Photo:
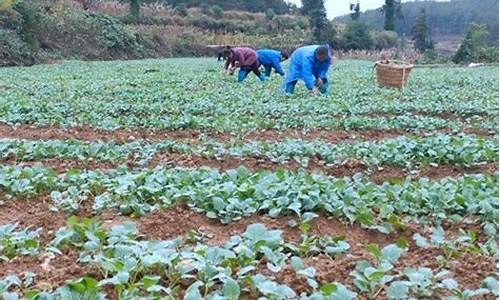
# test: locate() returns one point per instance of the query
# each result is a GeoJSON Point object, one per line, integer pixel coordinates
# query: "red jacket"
{"type": "Point", "coordinates": [245, 57]}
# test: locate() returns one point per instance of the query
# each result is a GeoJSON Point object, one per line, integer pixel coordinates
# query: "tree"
{"type": "Point", "coordinates": [355, 11]}
{"type": "Point", "coordinates": [391, 9]}
{"type": "Point", "coordinates": [135, 8]}
{"type": "Point", "coordinates": [309, 5]}
{"type": "Point", "coordinates": [420, 33]}
{"type": "Point", "coordinates": [445, 18]}
{"type": "Point", "coordinates": [315, 10]}
{"type": "Point", "coordinates": [475, 46]}
{"type": "Point", "coordinates": [31, 17]}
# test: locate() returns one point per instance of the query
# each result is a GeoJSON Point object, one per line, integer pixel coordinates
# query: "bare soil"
{"type": "Point", "coordinates": [348, 169]}
{"type": "Point", "coordinates": [87, 133]}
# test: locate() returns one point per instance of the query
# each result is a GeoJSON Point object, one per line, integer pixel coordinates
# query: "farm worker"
{"type": "Point", "coordinates": [271, 59]}
{"type": "Point", "coordinates": [309, 63]}
{"type": "Point", "coordinates": [246, 59]}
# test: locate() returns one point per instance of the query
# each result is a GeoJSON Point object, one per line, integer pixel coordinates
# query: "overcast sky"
{"type": "Point", "coordinates": [341, 7]}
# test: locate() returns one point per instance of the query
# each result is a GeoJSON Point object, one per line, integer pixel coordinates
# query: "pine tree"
{"type": "Point", "coordinates": [135, 8]}
{"type": "Point", "coordinates": [309, 5]}
{"type": "Point", "coordinates": [391, 9]}
{"type": "Point", "coordinates": [355, 11]}
{"type": "Point", "coordinates": [474, 46]}
{"type": "Point", "coordinates": [420, 33]}
{"type": "Point", "coordinates": [315, 10]}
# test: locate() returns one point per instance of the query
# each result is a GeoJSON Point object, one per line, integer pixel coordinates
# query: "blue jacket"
{"type": "Point", "coordinates": [270, 59]}
{"type": "Point", "coordinates": [303, 65]}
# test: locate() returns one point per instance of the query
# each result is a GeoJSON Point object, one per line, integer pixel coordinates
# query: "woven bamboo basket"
{"type": "Point", "coordinates": [392, 73]}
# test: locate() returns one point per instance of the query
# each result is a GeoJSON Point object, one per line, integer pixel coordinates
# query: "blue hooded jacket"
{"type": "Point", "coordinates": [303, 65]}
{"type": "Point", "coordinates": [270, 58]}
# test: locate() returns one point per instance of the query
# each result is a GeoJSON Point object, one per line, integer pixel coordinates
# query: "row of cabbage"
{"type": "Point", "coordinates": [135, 268]}
{"type": "Point", "coordinates": [234, 123]}
{"type": "Point", "coordinates": [129, 94]}
{"type": "Point", "coordinates": [407, 152]}
{"type": "Point", "coordinates": [233, 194]}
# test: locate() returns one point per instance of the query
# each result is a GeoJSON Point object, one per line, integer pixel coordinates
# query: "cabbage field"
{"type": "Point", "coordinates": [162, 179]}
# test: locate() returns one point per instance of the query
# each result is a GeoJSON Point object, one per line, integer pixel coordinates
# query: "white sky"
{"type": "Point", "coordinates": [341, 7]}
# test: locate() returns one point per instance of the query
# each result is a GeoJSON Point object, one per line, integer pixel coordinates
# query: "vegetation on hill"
{"type": "Point", "coordinates": [39, 31]}
{"type": "Point", "coordinates": [447, 17]}
{"type": "Point", "coordinates": [279, 6]}
{"type": "Point", "coordinates": [33, 32]}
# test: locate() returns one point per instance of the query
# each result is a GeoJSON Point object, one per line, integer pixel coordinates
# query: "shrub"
{"type": "Point", "coordinates": [205, 8]}
{"type": "Point", "coordinates": [5, 4]}
{"type": "Point", "coordinates": [9, 18]}
{"type": "Point", "coordinates": [181, 10]}
{"type": "Point", "coordinates": [488, 54]}
{"type": "Point", "coordinates": [384, 39]}
{"type": "Point", "coordinates": [112, 34]}
{"type": "Point", "coordinates": [217, 11]}
{"type": "Point", "coordinates": [270, 13]}
{"type": "Point", "coordinates": [430, 56]}
{"type": "Point", "coordinates": [356, 35]}
{"type": "Point", "coordinates": [13, 50]}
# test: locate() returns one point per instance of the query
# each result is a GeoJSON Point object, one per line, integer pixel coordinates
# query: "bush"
{"type": "Point", "coordinates": [488, 54]}
{"type": "Point", "coordinates": [111, 33]}
{"type": "Point", "coordinates": [13, 50]}
{"type": "Point", "coordinates": [205, 8]}
{"type": "Point", "coordinates": [217, 11]}
{"type": "Point", "coordinates": [181, 10]}
{"type": "Point", "coordinates": [356, 36]}
{"type": "Point", "coordinates": [270, 13]}
{"type": "Point", "coordinates": [9, 18]}
{"type": "Point", "coordinates": [384, 39]}
{"type": "Point", "coordinates": [430, 56]}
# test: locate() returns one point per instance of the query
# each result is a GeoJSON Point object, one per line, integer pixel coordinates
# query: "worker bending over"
{"type": "Point", "coordinates": [271, 59]}
{"type": "Point", "coordinates": [310, 64]}
{"type": "Point", "coordinates": [246, 59]}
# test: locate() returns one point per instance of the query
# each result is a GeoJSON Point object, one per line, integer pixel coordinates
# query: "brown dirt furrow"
{"type": "Point", "coordinates": [347, 169]}
{"type": "Point", "coordinates": [330, 136]}
{"type": "Point", "coordinates": [52, 271]}
{"type": "Point", "coordinates": [181, 220]}
{"type": "Point", "coordinates": [88, 133]}
{"type": "Point", "coordinates": [35, 213]}
{"type": "Point", "coordinates": [62, 165]}
{"type": "Point", "coordinates": [441, 115]}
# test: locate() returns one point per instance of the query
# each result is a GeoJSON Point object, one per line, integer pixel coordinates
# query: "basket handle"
{"type": "Point", "coordinates": [403, 79]}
